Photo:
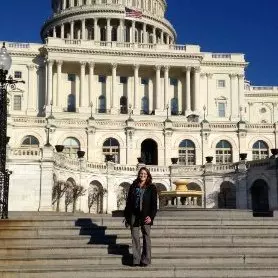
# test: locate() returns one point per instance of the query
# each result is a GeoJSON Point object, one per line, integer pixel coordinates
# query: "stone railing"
{"type": "Point", "coordinates": [224, 168]}
{"type": "Point", "coordinates": [125, 45]}
{"type": "Point", "coordinates": [24, 153]}
{"type": "Point", "coordinates": [257, 163]}
{"type": "Point", "coordinates": [29, 121]}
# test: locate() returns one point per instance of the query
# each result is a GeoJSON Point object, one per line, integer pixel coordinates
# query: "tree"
{"type": "Point", "coordinates": [95, 196]}
{"type": "Point", "coordinates": [59, 189]}
{"type": "Point", "coordinates": [77, 191]}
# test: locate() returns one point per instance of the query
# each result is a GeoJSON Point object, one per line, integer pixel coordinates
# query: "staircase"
{"type": "Point", "coordinates": [192, 243]}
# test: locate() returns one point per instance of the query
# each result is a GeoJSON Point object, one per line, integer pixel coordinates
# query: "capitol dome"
{"type": "Point", "coordinates": [134, 21]}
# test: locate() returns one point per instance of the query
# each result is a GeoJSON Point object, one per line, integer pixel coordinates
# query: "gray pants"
{"type": "Point", "coordinates": [145, 257]}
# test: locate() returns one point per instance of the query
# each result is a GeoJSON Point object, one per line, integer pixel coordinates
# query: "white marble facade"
{"type": "Point", "coordinates": [106, 83]}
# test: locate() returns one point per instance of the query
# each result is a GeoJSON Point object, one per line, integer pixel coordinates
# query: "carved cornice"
{"type": "Point", "coordinates": [225, 64]}
{"type": "Point", "coordinates": [131, 53]}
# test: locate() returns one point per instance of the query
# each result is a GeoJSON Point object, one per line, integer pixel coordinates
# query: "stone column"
{"type": "Point", "coordinates": [241, 93]}
{"type": "Point", "coordinates": [49, 81]}
{"type": "Point", "coordinates": [114, 96]}
{"type": "Point", "coordinates": [154, 35]}
{"type": "Point", "coordinates": [72, 30]}
{"type": "Point", "coordinates": [158, 88]}
{"type": "Point", "coordinates": [62, 31]}
{"type": "Point", "coordinates": [82, 84]}
{"type": "Point", "coordinates": [166, 87]}
{"type": "Point", "coordinates": [197, 96]}
{"type": "Point", "coordinates": [234, 97]}
{"type": "Point", "coordinates": [208, 108]}
{"type": "Point", "coordinates": [133, 32]}
{"type": "Point", "coordinates": [54, 32]}
{"type": "Point", "coordinates": [121, 31]}
{"type": "Point", "coordinates": [145, 33]}
{"type": "Point", "coordinates": [64, 4]}
{"type": "Point", "coordinates": [83, 37]}
{"type": "Point", "coordinates": [167, 39]}
{"type": "Point", "coordinates": [96, 30]}
{"type": "Point", "coordinates": [32, 78]}
{"type": "Point", "coordinates": [188, 91]}
{"type": "Point", "coordinates": [59, 81]}
{"type": "Point", "coordinates": [91, 84]}
{"type": "Point", "coordinates": [108, 30]}
{"type": "Point", "coordinates": [136, 98]}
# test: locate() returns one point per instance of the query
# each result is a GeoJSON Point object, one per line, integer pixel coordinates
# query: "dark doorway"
{"type": "Point", "coordinates": [227, 196]}
{"type": "Point", "coordinates": [259, 193]}
{"type": "Point", "coordinates": [149, 153]}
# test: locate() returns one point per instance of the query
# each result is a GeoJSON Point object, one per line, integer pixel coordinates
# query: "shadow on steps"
{"type": "Point", "coordinates": [98, 237]}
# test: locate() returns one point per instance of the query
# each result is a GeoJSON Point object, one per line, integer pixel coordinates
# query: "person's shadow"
{"type": "Point", "coordinates": [98, 237]}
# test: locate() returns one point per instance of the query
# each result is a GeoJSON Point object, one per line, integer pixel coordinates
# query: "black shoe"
{"type": "Point", "coordinates": [143, 265]}
{"type": "Point", "coordinates": [136, 265]}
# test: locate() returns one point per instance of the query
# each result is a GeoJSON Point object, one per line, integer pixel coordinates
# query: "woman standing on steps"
{"type": "Point", "coordinates": [140, 211]}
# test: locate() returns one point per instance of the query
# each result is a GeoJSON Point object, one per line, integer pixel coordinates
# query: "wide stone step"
{"type": "Point", "coordinates": [180, 249]}
{"type": "Point", "coordinates": [156, 230]}
{"type": "Point", "coordinates": [125, 239]}
{"type": "Point", "coordinates": [186, 271]}
{"type": "Point", "coordinates": [157, 259]}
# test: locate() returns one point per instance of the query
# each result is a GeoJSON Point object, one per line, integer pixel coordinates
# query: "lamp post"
{"type": "Point", "coordinates": [5, 64]}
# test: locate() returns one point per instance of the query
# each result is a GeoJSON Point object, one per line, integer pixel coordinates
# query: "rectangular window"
{"type": "Point", "coordinates": [102, 79]}
{"type": "Point", "coordinates": [221, 83]}
{"type": "Point", "coordinates": [173, 81]}
{"type": "Point", "coordinates": [123, 80]}
{"type": "Point", "coordinates": [144, 81]}
{"type": "Point", "coordinates": [71, 77]}
{"type": "Point", "coordinates": [221, 110]}
{"type": "Point", "coordinates": [17, 103]}
{"type": "Point", "coordinates": [18, 74]}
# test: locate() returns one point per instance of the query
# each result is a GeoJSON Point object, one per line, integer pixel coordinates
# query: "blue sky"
{"type": "Point", "coordinates": [238, 26]}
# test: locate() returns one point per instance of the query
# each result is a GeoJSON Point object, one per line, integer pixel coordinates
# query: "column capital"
{"type": "Point", "coordinates": [209, 75]}
{"type": "Point", "coordinates": [114, 66]}
{"type": "Point", "coordinates": [197, 69]}
{"type": "Point", "coordinates": [166, 68]}
{"type": "Point", "coordinates": [203, 74]}
{"type": "Point", "coordinates": [59, 62]}
{"type": "Point", "coordinates": [50, 62]}
{"type": "Point", "coordinates": [83, 63]}
{"type": "Point", "coordinates": [157, 67]}
{"type": "Point", "coordinates": [91, 64]}
{"type": "Point", "coordinates": [31, 67]}
{"type": "Point", "coordinates": [136, 66]}
{"type": "Point", "coordinates": [233, 75]}
{"type": "Point", "coordinates": [241, 76]}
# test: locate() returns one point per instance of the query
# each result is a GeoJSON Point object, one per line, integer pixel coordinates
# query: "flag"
{"type": "Point", "coordinates": [132, 13]}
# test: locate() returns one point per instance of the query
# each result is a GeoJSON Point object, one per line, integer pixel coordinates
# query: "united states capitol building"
{"type": "Point", "coordinates": [110, 80]}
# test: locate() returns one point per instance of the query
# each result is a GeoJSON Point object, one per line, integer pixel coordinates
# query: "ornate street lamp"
{"type": "Point", "coordinates": [5, 83]}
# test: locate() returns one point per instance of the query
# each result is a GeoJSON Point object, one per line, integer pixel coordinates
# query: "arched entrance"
{"type": "Point", "coordinates": [149, 153]}
{"type": "Point", "coordinates": [259, 193]}
{"type": "Point", "coordinates": [227, 196]}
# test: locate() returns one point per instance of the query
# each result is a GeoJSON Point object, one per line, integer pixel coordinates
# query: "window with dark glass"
{"type": "Point", "coordinates": [30, 141]}
{"type": "Point", "coordinates": [145, 105]}
{"type": "Point", "coordinates": [18, 74]}
{"type": "Point", "coordinates": [144, 81]}
{"type": "Point", "coordinates": [102, 104]}
{"type": "Point", "coordinates": [71, 77]}
{"type": "Point", "coordinates": [17, 103]}
{"type": "Point", "coordinates": [123, 80]}
{"type": "Point", "coordinates": [111, 146]}
{"type": "Point", "coordinates": [187, 153]}
{"type": "Point", "coordinates": [102, 79]}
{"type": "Point", "coordinates": [224, 152]}
{"type": "Point", "coordinates": [260, 150]}
{"type": "Point", "coordinates": [123, 105]}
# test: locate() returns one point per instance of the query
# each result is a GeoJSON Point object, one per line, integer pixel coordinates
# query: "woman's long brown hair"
{"type": "Point", "coordinates": [149, 176]}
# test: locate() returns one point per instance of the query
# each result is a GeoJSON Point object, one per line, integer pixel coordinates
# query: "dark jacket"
{"type": "Point", "coordinates": [149, 205]}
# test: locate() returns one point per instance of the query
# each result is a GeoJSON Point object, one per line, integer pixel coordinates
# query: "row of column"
{"type": "Point", "coordinates": [148, 5]}
{"type": "Point", "coordinates": [158, 35]}
{"type": "Point", "coordinates": [162, 99]}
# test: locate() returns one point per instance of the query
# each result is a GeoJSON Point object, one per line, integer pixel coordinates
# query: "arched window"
{"type": "Point", "coordinates": [174, 106]}
{"type": "Point", "coordinates": [71, 146]}
{"type": "Point", "coordinates": [224, 152]}
{"type": "Point", "coordinates": [123, 104]}
{"type": "Point", "coordinates": [30, 141]}
{"type": "Point", "coordinates": [102, 104]}
{"type": "Point", "coordinates": [145, 106]}
{"type": "Point", "coordinates": [260, 150]}
{"type": "Point", "coordinates": [111, 147]}
{"type": "Point", "coordinates": [187, 153]}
